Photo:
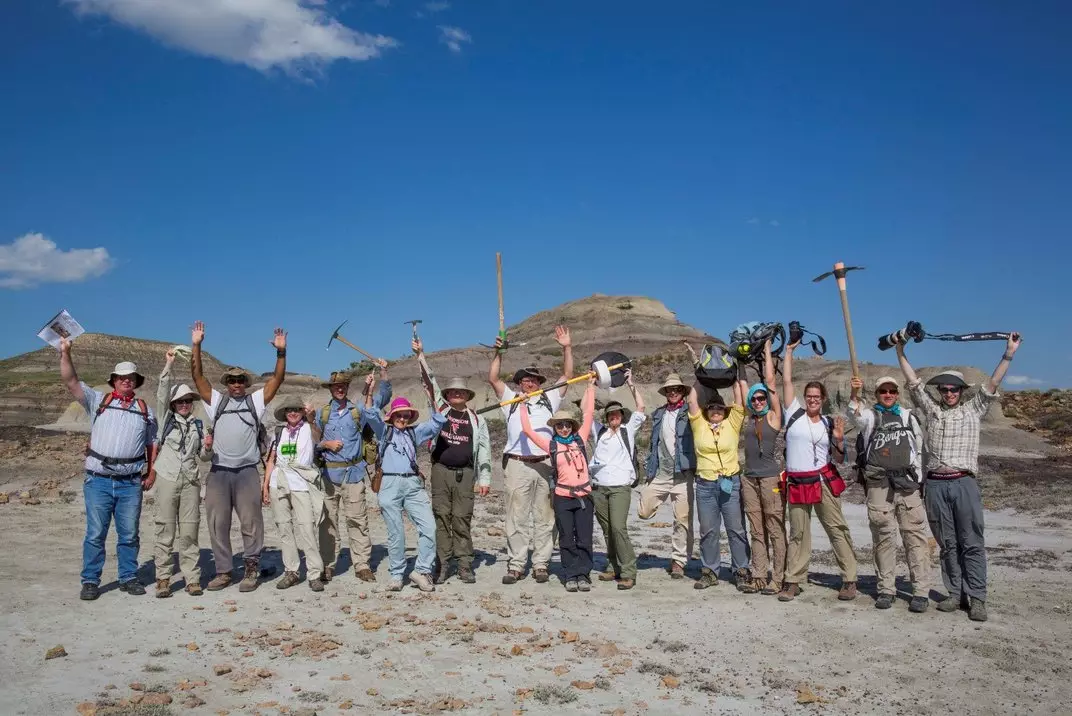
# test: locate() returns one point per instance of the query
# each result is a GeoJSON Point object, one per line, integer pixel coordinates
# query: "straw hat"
{"type": "Point", "coordinates": [530, 372]}
{"type": "Point", "coordinates": [337, 378]}
{"type": "Point", "coordinates": [126, 368]}
{"type": "Point", "coordinates": [615, 406]}
{"type": "Point", "coordinates": [236, 372]}
{"type": "Point", "coordinates": [399, 405]}
{"type": "Point", "coordinates": [457, 384]}
{"type": "Point", "coordinates": [671, 381]}
{"type": "Point", "coordinates": [289, 403]}
{"type": "Point", "coordinates": [564, 416]}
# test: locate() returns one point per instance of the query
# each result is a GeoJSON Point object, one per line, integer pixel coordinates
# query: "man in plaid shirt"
{"type": "Point", "coordinates": [951, 494]}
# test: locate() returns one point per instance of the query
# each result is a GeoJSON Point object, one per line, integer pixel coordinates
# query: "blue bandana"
{"type": "Point", "coordinates": [567, 440]}
{"type": "Point", "coordinates": [894, 409]}
{"type": "Point", "coordinates": [758, 388]}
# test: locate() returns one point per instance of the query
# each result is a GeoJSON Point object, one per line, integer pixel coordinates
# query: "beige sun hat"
{"type": "Point", "coordinates": [457, 384]}
{"type": "Point", "coordinates": [887, 380]}
{"type": "Point", "coordinates": [126, 368]}
{"type": "Point", "coordinates": [183, 391]}
{"type": "Point", "coordinates": [564, 416]}
{"type": "Point", "coordinates": [672, 380]}
{"type": "Point", "coordinates": [235, 372]}
{"type": "Point", "coordinates": [288, 403]}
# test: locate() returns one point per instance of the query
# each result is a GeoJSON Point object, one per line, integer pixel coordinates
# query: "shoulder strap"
{"type": "Point", "coordinates": [200, 428]}
{"type": "Point", "coordinates": [552, 453]}
{"type": "Point", "coordinates": [599, 433]}
{"type": "Point", "coordinates": [253, 412]}
{"type": "Point", "coordinates": [169, 425]}
{"type": "Point", "coordinates": [278, 435]}
{"type": "Point", "coordinates": [793, 418]}
{"type": "Point", "coordinates": [325, 414]}
{"type": "Point", "coordinates": [220, 407]}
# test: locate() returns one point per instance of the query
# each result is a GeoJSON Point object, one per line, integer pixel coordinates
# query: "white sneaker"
{"type": "Point", "coordinates": [394, 585]}
{"type": "Point", "coordinates": [422, 581]}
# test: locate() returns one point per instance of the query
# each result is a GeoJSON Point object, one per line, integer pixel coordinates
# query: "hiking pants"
{"type": "Point", "coordinates": [714, 507]}
{"type": "Point", "coordinates": [345, 502]}
{"type": "Point", "coordinates": [612, 512]}
{"type": "Point", "coordinates": [530, 518]}
{"type": "Point", "coordinates": [573, 517]}
{"type": "Point", "coordinates": [406, 493]}
{"type": "Point", "coordinates": [764, 504]}
{"type": "Point", "coordinates": [452, 505]}
{"type": "Point", "coordinates": [107, 497]}
{"type": "Point", "coordinates": [238, 490]}
{"type": "Point", "coordinates": [887, 510]}
{"type": "Point", "coordinates": [178, 510]}
{"type": "Point", "coordinates": [837, 530]}
{"type": "Point", "coordinates": [678, 489]}
{"type": "Point", "coordinates": [297, 517]}
{"type": "Point", "coordinates": [955, 511]}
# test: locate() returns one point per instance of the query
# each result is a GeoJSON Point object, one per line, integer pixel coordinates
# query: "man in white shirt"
{"type": "Point", "coordinates": [613, 472]}
{"type": "Point", "coordinates": [530, 519]}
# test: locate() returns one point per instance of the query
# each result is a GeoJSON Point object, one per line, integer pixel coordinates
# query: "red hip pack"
{"type": "Point", "coordinates": [806, 488]}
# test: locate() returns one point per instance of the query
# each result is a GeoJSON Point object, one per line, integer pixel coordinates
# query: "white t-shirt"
{"type": "Point", "coordinates": [611, 465]}
{"type": "Point", "coordinates": [290, 452]}
{"type": "Point", "coordinates": [517, 443]}
{"type": "Point", "coordinates": [234, 441]}
{"type": "Point", "coordinates": [807, 444]}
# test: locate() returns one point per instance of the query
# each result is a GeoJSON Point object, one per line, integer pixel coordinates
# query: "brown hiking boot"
{"type": "Point", "coordinates": [442, 574]}
{"type": "Point", "coordinates": [707, 579]}
{"type": "Point", "coordinates": [365, 575]}
{"type": "Point", "coordinates": [289, 579]}
{"type": "Point", "coordinates": [466, 575]}
{"type": "Point", "coordinates": [848, 592]}
{"type": "Point", "coordinates": [540, 575]}
{"type": "Point", "coordinates": [327, 574]}
{"type": "Point", "coordinates": [626, 583]}
{"type": "Point", "coordinates": [768, 588]}
{"type": "Point", "coordinates": [252, 576]}
{"type": "Point", "coordinates": [677, 570]}
{"type": "Point", "coordinates": [194, 589]}
{"type": "Point", "coordinates": [789, 592]}
{"type": "Point", "coordinates": [220, 581]}
{"type": "Point", "coordinates": [163, 588]}
{"type": "Point", "coordinates": [745, 583]}
{"type": "Point", "coordinates": [512, 576]}
{"type": "Point", "coordinates": [608, 575]}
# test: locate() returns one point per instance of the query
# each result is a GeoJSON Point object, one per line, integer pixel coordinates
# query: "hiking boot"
{"type": "Point", "coordinates": [769, 588]}
{"type": "Point", "coordinates": [608, 575]}
{"type": "Point", "coordinates": [745, 583]}
{"type": "Point", "coordinates": [977, 612]}
{"type": "Point", "coordinates": [89, 592]}
{"type": "Point", "coordinates": [677, 570]}
{"type": "Point", "coordinates": [163, 588]}
{"type": "Point", "coordinates": [327, 574]}
{"type": "Point", "coordinates": [626, 583]}
{"type": "Point", "coordinates": [220, 581]}
{"type": "Point", "coordinates": [919, 605]}
{"type": "Point", "coordinates": [584, 584]}
{"type": "Point", "coordinates": [512, 576]}
{"type": "Point", "coordinates": [132, 587]}
{"type": "Point", "coordinates": [848, 592]}
{"type": "Point", "coordinates": [540, 575]}
{"type": "Point", "coordinates": [422, 582]}
{"type": "Point", "coordinates": [884, 601]}
{"type": "Point", "coordinates": [288, 580]}
{"type": "Point", "coordinates": [251, 578]}
{"type": "Point", "coordinates": [393, 585]}
{"type": "Point", "coordinates": [194, 589]}
{"type": "Point", "coordinates": [442, 574]}
{"type": "Point", "coordinates": [949, 604]}
{"type": "Point", "coordinates": [365, 575]}
{"type": "Point", "coordinates": [466, 575]}
{"type": "Point", "coordinates": [789, 592]}
{"type": "Point", "coordinates": [707, 579]}
{"type": "Point", "coordinates": [316, 585]}
{"type": "Point", "coordinates": [571, 585]}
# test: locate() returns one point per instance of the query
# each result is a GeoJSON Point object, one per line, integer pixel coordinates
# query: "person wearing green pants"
{"type": "Point", "coordinates": [613, 471]}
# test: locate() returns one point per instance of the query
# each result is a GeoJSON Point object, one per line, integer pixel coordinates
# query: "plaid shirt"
{"type": "Point", "coordinates": [952, 433]}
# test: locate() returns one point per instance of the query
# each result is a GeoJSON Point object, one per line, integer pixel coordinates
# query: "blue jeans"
{"type": "Point", "coordinates": [407, 493]}
{"type": "Point", "coordinates": [715, 507]}
{"type": "Point", "coordinates": [106, 497]}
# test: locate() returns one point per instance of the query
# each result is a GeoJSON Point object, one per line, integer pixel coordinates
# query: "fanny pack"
{"type": "Point", "coordinates": [806, 488]}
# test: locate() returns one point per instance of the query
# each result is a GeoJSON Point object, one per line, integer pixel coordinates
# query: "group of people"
{"type": "Point", "coordinates": [563, 474]}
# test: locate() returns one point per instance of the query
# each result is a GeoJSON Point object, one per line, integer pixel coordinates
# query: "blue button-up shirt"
{"type": "Point", "coordinates": [341, 427]}
{"type": "Point", "coordinates": [400, 455]}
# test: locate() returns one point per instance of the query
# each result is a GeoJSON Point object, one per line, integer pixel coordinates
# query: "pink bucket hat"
{"type": "Point", "coordinates": [399, 405]}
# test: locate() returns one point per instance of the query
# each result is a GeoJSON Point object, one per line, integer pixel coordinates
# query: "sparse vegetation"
{"type": "Point", "coordinates": [653, 667]}
{"type": "Point", "coordinates": [154, 668]}
{"type": "Point", "coordinates": [554, 694]}
{"type": "Point", "coordinates": [159, 652]}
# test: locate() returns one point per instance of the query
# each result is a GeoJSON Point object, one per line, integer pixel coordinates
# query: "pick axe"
{"type": "Point", "coordinates": [839, 272]}
{"type": "Point", "coordinates": [502, 315]}
{"type": "Point", "coordinates": [338, 336]}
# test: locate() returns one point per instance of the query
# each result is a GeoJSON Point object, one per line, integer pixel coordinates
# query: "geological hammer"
{"type": "Point", "coordinates": [414, 323]}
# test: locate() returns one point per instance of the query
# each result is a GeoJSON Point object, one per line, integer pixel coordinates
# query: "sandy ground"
{"type": "Point", "coordinates": [489, 648]}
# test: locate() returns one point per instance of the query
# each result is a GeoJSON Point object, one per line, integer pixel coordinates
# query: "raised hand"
{"type": "Point", "coordinates": [280, 340]}
{"type": "Point", "coordinates": [1013, 343]}
{"type": "Point", "coordinates": [310, 412]}
{"type": "Point", "coordinates": [629, 377]}
{"type": "Point", "coordinates": [65, 345]}
{"type": "Point", "coordinates": [418, 346]}
{"type": "Point", "coordinates": [562, 336]}
{"type": "Point", "coordinates": [857, 384]}
{"type": "Point", "coordinates": [169, 356]}
{"type": "Point", "coordinates": [197, 334]}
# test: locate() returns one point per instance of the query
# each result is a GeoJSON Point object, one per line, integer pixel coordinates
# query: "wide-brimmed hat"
{"type": "Point", "coordinates": [715, 401]}
{"type": "Point", "coordinates": [564, 416]}
{"type": "Point", "coordinates": [887, 380]}
{"type": "Point", "coordinates": [338, 377]}
{"type": "Point", "coordinates": [949, 377]}
{"type": "Point", "coordinates": [236, 372]}
{"type": "Point", "coordinates": [183, 391]}
{"type": "Point", "coordinates": [126, 368]}
{"type": "Point", "coordinates": [290, 403]}
{"type": "Point", "coordinates": [531, 372]}
{"type": "Point", "coordinates": [615, 406]}
{"type": "Point", "coordinates": [457, 384]}
{"type": "Point", "coordinates": [671, 381]}
{"type": "Point", "coordinates": [399, 405]}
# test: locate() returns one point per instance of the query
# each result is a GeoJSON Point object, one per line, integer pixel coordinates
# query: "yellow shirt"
{"type": "Point", "coordinates": [716, 450]}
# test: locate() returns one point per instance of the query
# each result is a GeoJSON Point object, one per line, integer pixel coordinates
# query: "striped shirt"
{"type": "Point", "coordinates": [117, 433]}
{"type": "Point", "coordinates": [952, 442]}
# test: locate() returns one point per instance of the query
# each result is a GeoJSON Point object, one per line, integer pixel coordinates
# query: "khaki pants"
{"type": "Point", "coordinates": [833, 521]}
{"type": "Point", "coordinates": [764, 504]}
{"type": "Point", "coordinates": [679, 490]}
{"type": "Point", "coordinates": [297, 517]}
{"type": "Point", "coordinates": [346, 501]}
{"type": "Point", "coordinates": [178, 516]}
{"type": "Point", "coordinates": [530, 517]}
{"type": "Point", "coordinates": [888, 509]}
{"type": "Point", "coordinates": [452, 505]}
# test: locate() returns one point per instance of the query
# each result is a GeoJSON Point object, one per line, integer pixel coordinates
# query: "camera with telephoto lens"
{"type": "Point", "coordinates": [913, 330]}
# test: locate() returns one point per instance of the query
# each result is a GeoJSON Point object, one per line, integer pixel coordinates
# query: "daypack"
{"type": "Point", "coordinates": [716, 369]}
{"type": "Point", "coordinates": [106, 404]}
{"type": "Point", "coordinates": [630, 449]}
{"type": "Point", "coordinates": [574, 490]}
{"type": "Point", "coordinates": [263, 445]}
{"type": "Point", "coordinates": [747, 339]}
{"type": "Point", "coordinates": [170, 423]}
{"type": "Point", "coordinates": [888, 451]}
{"type": "Point", "coordinates": [370, 446]}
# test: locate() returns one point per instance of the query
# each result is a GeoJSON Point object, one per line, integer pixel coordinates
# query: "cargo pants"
{"type": "Point", "coordinates": [837, 530]}
{"type": "Point", "coordinates": [530, 517]}
{"type": "Point", "coordinates": [887, 510]}
{"type": "Point", "coordinates": [679, 490]}
{"type": "Point", "coordinates": [177, 516]}
{"type": "Point", "coordinates": [297, 517]}
{"type": "Point", "coordinates": [764, 504]}
{"type": "Point", "coordinates": [346, 502]}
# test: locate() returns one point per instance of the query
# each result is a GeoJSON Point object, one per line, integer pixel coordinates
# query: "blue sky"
{"type": "Point", "coordinates": [363, 160]}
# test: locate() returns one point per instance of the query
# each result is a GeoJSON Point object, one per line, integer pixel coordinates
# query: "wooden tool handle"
{"type": "Point", "coordinates": [498, 276]}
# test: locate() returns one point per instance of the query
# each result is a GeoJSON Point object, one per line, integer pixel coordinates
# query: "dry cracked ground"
{"type": "Point", "coordinates": [492, 649]}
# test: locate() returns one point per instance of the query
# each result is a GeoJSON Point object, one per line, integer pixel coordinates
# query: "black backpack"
{"type": "Point", "coordinates": [900, 477]}
{"type": "Point", "coordinates": [716, 369]}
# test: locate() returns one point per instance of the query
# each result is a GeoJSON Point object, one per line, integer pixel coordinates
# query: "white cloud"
{"type": "Point", "coordinates": [32, 259]}
{"type": "Point", "coordinates": [752, 221]}
{"type": "Point", "coordinates": [775, 223]}
{"type": "Point", "coordinates": [264, 34]}
{"type": "Point", "coordinates": [434, 7]}
{"type": "Point", "coordinates": [453, 37]}
{"type": "Point", "coordinates": [1021, 380]}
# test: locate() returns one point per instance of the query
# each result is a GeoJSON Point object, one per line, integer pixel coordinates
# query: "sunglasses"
{"type": "Point", "coordinates": [185, 401]}
{"type": "Point", "coordinates": [759, 399]}
{"type": "Point", "coordinates": [888, 391]}
{"type": "Point", "coordinates": [949, 388]}
{"type": "Point", "coordinates": [236, 381]}
{"type": "Point", "coordinates": [296, 410]}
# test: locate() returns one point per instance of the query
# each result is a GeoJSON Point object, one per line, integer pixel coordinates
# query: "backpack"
{"type": "Point", "coordinates": [370, 446]}
{"type": "Point", "coordinates": [715, 369]}
{"type": "Point", "coordinates": [263, 446]}
{"type": "Point", "coordinates": [377, 473]}
{"type": "Point", "coordinates": [106, 404]}
{"type": "Point", "coordinates": [630, 449]}
{"type": "Point", "coordinates": [170, 424]}
{"type": "Point", "coordinates": [553, 454]}
{"type": "Point", "coordinates": [827, 421]}
{"type": "Point", "coordinates": [893, 462]}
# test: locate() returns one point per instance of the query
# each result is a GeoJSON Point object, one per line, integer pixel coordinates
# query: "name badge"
{"type": "Point", "coordinates": [288, 449]}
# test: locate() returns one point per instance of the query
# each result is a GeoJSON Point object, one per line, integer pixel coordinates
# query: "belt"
{"type": "Point", "coordinates": [132, 476]}
{"type": "Point", "coordinates": [350, 463]}
{"type": "Point", "coordinates": [948, 475]}
{"type": "Point", "coordinates": [401, 474]}
{"type": "Point", "coordinates": [526, 458]}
